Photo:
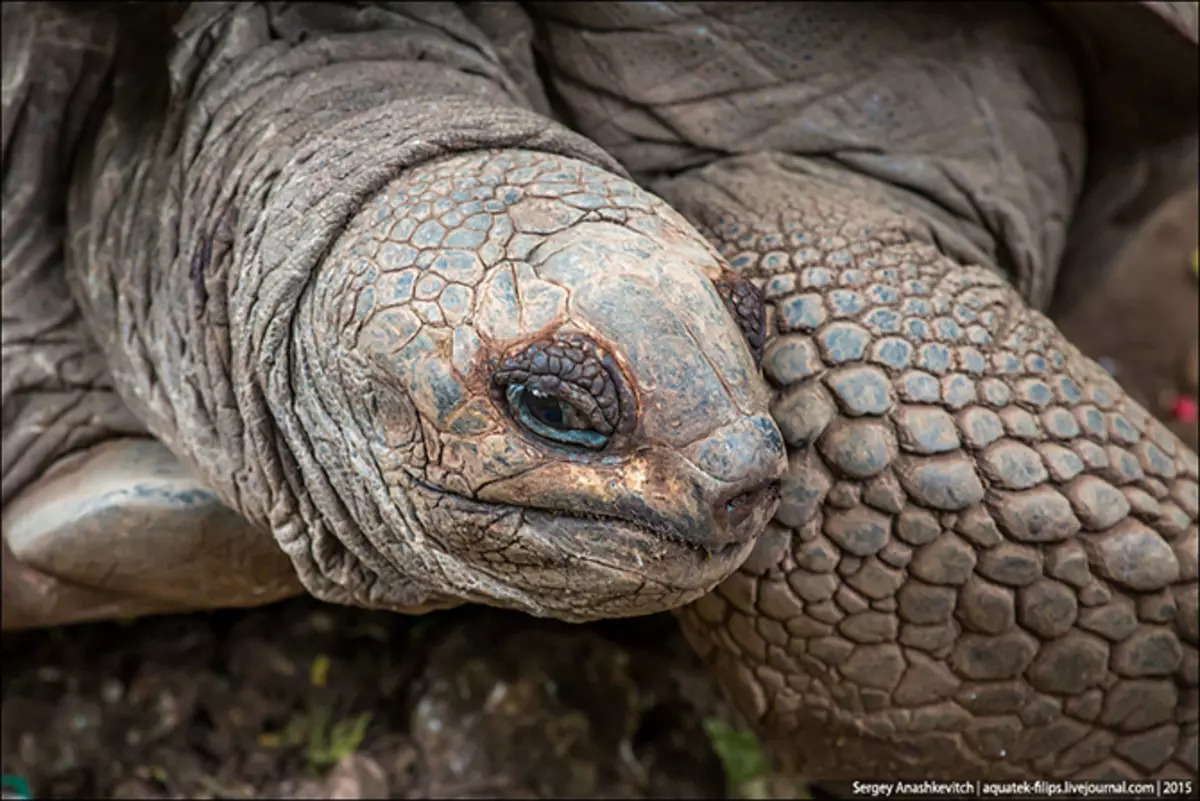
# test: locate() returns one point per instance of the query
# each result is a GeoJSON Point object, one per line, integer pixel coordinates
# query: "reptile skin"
{"type": "Point", "coordinates": [985, 558]}
{"type": "Point", "coordinates": [984, 563]}
{"type": "Point", "coordinates": [433, 348]}
{"type": "Point", "coordinates": [357, 272]}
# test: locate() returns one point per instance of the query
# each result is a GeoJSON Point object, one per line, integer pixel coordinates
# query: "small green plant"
{"type": "Point", "coordinates": [329, 743]}
{"type": "Point", "coordinates": [325, 741]}
{"type": "Point", "coordinates": [740, 755]}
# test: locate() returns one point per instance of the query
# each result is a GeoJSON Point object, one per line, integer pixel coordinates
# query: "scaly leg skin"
{"type": "Point", "coordinates": [89, 501]}
{"type": "Point", "coordinates": [1151, 289]}
{"type": "Point", "coordinates": [985, 562]}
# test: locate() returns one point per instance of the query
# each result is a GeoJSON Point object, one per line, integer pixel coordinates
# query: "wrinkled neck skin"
{"type": "Point", "coordinates": [965, 118]}
{"type": "Point", "coordinates": [303, 300]}
{"type": "Point", "coordinates": [194, 277]}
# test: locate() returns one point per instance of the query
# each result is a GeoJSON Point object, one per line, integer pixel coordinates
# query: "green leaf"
{"type": "Point", "coordinates": [739, 752]}
{"type": "Point", "coordinates": [318, 672]}
{"type": "Point", "coordinates": [347, 735]}
{"type": "Point", "coordinates": [328, 745]}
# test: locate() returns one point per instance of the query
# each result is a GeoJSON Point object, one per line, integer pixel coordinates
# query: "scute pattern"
{"type": "Point", "coordinates": [433, 423]}
{"type": "Point", "coordinates": [407, 292]}
{"type": "Point", "coordinates": [1008, 596]}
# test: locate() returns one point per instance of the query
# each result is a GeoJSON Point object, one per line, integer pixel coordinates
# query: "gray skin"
{"type": "Point", "coordinates": [983, 557]}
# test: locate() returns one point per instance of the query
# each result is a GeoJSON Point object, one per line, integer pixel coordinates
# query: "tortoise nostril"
{"type": "Point", "coordinates": [735, 512]}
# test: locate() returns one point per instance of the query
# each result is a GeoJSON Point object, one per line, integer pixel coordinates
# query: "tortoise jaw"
{"type": "Point", "coordinates": [612, 567]}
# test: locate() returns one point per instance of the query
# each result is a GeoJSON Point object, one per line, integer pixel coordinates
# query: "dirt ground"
{"type": "Point", "coordinates": [302, 700]}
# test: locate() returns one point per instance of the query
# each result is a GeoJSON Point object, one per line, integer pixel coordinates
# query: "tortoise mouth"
{"type": "Point", "coordinates": [623, 568]}
{"type": "Point", "coordinates": [736, 514]}
{"type": "Point", "coordinates": [647, 529]}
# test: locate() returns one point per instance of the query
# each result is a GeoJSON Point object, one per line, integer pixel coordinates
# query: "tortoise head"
{"type": "Point", "coordinates": [532, 384]}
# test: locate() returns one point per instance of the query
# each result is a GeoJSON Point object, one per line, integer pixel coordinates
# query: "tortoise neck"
{"type": "Point", "coordinates": [969, 117]}
{"type": "Point", "coordinates": [194, 231]}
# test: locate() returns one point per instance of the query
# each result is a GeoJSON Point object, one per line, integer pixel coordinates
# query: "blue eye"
{"type": "Point", "coordinates": [553, 418]}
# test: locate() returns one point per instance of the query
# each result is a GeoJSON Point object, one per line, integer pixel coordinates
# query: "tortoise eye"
{"type": "Point", "coordinates": [553, 418]}
{"type": "Point", "coordinates": [564, 391]}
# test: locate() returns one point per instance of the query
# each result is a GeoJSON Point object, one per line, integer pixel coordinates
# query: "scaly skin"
{"type": "Point", "coordinates": [366, 259]}
{"type": "Point", "coordinates": [984, 563]}
{"type": "Point", "coordinates": [985, 559]}
{"type": "Point", "coordinates": [442, 292]}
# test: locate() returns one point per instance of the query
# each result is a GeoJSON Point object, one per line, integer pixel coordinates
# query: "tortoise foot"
{"type": "Point", "coordinates": [123, 530]}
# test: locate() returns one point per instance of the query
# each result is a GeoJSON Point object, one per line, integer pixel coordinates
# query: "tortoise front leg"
{"type": "Point", "coordinates": [985, 561]}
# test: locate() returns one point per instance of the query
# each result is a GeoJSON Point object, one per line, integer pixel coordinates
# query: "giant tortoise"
{"type": "Point", "coordinates": [312, 298]}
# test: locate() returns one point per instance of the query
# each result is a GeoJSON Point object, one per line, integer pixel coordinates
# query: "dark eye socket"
{"type": "Point", "coordinates": [553, 418]}
{"type": "Point", "coordinates": [566, 390]}
{"type": "Point", "coordinates": [550, 411]}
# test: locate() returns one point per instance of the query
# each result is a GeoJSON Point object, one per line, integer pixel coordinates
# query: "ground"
{"type": "Point", "coordinates": [302, 699]}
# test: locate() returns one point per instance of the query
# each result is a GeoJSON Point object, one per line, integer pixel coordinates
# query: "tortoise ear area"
{"type": "Point", "coordinates": [745, 302]}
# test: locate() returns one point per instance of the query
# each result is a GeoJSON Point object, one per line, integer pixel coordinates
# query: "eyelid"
{"type": "Point", "coordinates": [574, 369]}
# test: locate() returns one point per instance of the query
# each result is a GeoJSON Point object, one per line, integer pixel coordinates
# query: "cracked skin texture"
{"type": "Point", "coordinates": [321, 320]}
{"type": "Point", "coordinates": [983, 560]}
